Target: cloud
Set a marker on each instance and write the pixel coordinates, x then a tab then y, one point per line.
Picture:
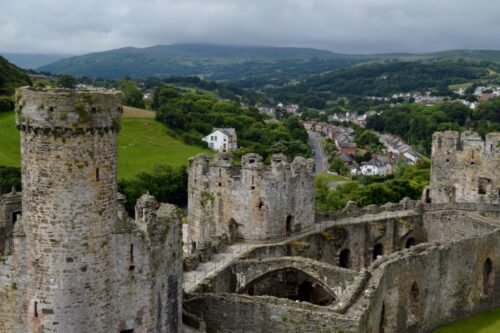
349	26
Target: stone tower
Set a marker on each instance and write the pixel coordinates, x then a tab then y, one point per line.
464	168
252	201
69	171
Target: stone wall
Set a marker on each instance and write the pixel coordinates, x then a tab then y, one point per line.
229	313
10	213
464	168
69	167
248	202
417	291
75	261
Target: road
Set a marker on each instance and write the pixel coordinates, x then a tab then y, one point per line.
316	143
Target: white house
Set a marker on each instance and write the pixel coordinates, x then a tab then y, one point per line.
222	139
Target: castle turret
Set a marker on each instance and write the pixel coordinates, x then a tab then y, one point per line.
464	168
69	171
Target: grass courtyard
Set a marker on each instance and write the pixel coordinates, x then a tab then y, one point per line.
487	322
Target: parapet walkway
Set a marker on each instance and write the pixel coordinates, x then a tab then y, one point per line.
220	261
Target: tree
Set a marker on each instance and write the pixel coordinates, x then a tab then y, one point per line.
66	81
6	104
132	94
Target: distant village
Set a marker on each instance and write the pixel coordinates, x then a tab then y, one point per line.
380	165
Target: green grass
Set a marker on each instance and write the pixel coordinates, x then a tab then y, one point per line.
331	178
487	322
10	151
460	86
143	143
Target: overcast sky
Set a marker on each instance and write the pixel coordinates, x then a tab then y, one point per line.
348	26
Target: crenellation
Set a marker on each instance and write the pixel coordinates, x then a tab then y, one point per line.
253	201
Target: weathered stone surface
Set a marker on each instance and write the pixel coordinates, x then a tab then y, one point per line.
75	261
248	202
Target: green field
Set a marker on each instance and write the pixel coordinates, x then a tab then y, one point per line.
332	178
142	144
487	322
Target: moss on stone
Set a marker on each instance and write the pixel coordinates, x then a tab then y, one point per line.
83	116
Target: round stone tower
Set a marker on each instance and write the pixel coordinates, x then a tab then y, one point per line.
69	171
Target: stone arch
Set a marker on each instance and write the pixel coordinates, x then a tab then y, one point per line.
378	250
291	283
488	279
345	258
414	308
410	242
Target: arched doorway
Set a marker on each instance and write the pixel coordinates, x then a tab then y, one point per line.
345	258
414	308
488	279
410	242
378	250
234	232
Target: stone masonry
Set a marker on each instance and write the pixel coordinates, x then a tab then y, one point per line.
405	267
74	261
248	202
464	168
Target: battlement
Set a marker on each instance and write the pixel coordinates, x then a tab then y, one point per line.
202	164
464	168
61	110
451	141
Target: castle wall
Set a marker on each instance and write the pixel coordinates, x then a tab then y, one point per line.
10	208
464	168
148	260
450	285
251	202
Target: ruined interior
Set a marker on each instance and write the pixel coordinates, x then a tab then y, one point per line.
406	267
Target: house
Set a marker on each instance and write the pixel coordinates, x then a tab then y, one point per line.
222	139
379	165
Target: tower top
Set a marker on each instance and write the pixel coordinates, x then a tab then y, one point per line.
68	109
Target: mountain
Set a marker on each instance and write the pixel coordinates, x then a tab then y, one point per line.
272	65
32	60
213	61
11	77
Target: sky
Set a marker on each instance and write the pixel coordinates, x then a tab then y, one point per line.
346	26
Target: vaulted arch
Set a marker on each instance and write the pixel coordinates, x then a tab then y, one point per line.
290	283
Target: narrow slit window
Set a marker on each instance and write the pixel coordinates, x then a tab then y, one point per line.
97	174
35	309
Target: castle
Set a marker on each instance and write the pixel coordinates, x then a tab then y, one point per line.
410	266
72	259
257	258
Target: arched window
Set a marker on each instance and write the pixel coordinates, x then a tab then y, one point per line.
378	250
488	278
345	258
413	314
381	328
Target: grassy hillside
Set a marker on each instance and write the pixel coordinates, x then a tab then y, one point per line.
10	153
11	77
210	61
385	79
142	144
32	61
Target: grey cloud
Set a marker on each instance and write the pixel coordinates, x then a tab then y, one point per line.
350	26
